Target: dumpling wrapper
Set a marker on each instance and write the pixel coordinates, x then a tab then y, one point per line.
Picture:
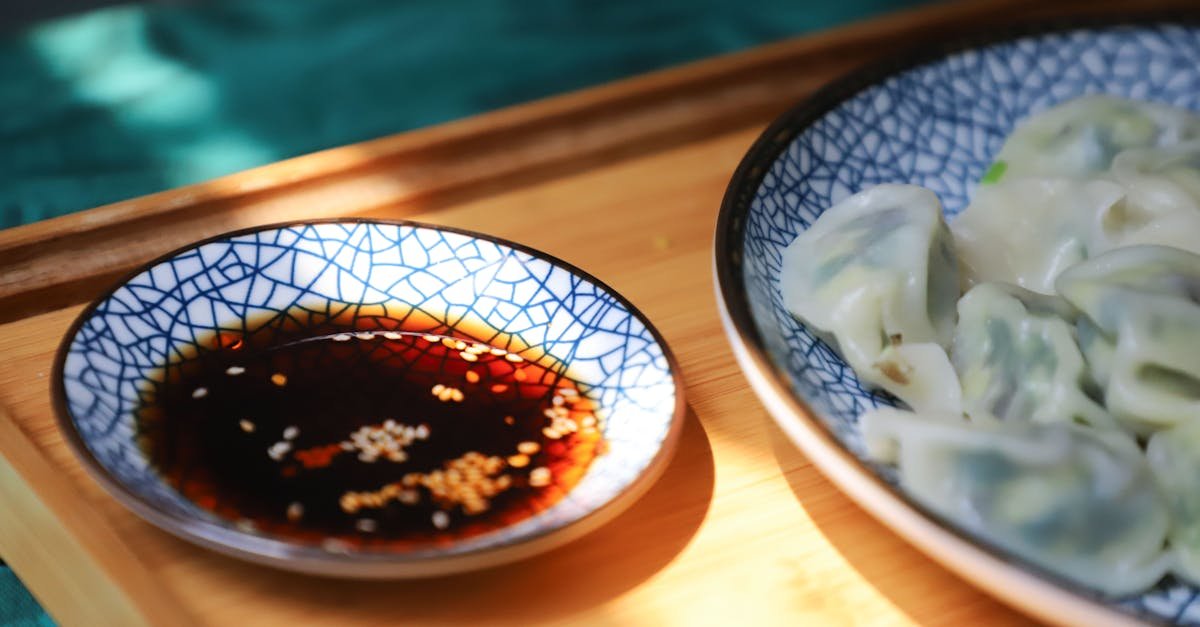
877	271
1076	501
1017	359
1174	457
1079	138
1162	205
1144	302
1027	231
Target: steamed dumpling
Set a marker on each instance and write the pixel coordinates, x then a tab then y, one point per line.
1162	206
1028	231
1097	351
1077	501
1017	359
1174	457
1079	138
1144	302
877	271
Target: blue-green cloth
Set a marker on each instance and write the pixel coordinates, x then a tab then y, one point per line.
17	607
134	99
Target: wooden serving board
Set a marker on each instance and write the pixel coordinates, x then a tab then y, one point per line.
623	181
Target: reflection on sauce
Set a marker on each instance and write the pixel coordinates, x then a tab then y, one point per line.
368	433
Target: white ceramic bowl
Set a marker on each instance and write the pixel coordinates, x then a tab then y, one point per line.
934	118
463	279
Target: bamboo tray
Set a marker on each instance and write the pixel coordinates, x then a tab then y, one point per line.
623	181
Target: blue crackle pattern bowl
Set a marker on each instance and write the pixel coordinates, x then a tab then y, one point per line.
936	118
461	279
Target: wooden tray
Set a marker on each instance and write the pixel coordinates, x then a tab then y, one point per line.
622	180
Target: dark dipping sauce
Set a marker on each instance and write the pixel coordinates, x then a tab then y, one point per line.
367	433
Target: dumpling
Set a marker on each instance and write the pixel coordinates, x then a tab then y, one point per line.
878	272
1162	180
1097	351
1077	501
1017	360
1027	231
1174	457
1079	138
1143	302
1162	189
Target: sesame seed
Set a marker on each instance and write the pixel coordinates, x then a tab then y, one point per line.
409	497
569	392
365	335
515	358
438	389
460	345
342	337
430	338
347	446
290	433
246	525
551	433
539	477
295	512
278	450
457	395
557	400
498	388
279	379
234	371
421	432
199	392
366	525
499	352
246	426
472	376
519	460
448	342
441	519
468	356
588	421
528	448
392	335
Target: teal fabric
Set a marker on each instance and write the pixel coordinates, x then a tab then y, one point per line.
17	607
135	99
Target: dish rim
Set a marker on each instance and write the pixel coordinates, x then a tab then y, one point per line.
286	555
999	572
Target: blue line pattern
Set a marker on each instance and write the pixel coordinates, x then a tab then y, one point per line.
939	125
524	302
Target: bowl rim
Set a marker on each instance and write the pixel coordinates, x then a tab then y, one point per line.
287	555
987	566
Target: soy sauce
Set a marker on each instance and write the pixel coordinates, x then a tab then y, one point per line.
368	431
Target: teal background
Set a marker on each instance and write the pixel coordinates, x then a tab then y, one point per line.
133	99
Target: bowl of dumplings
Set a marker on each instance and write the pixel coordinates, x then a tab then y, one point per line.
966	284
